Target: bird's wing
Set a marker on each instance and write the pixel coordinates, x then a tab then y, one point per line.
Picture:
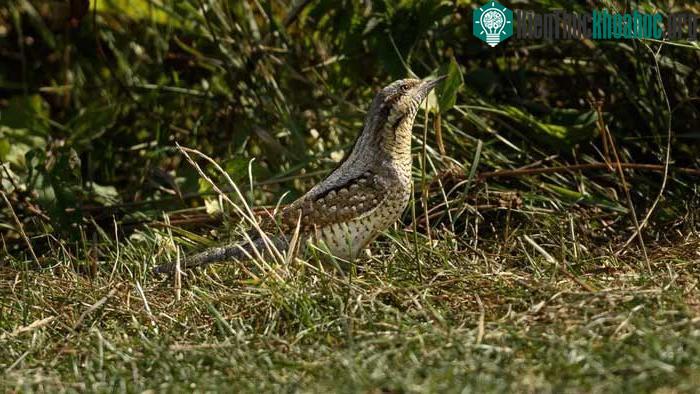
352	199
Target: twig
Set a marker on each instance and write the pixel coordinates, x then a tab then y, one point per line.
482	315
178	272
424	164
550	259
605	132
668	149
626	188
36	324
9	176
94	307
21	229
414	224
611	143
145	303
295	11
437	123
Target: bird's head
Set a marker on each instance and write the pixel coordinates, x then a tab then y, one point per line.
390	118
386	136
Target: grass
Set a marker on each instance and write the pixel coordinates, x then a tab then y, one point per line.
500	317
514	269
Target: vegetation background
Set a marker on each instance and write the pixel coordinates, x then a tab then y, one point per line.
515	268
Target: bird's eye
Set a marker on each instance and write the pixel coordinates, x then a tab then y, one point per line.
403	88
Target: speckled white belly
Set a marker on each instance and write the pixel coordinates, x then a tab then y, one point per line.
347	240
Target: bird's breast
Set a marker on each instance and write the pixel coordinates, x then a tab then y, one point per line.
347	239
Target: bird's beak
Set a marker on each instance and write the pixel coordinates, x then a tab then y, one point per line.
429	84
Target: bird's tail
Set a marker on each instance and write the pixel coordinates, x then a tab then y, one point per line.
237	252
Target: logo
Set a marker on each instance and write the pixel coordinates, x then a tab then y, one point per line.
492	23
603	25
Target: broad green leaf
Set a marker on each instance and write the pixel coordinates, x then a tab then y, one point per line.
447	90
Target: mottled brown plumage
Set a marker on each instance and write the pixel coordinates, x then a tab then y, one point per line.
357	197
361	198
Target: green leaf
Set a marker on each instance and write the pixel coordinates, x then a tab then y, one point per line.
576	197
136	9
448	89
4	148
26	112
105	195
15	143
57	183
562	126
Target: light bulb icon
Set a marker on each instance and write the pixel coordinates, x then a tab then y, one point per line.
493	21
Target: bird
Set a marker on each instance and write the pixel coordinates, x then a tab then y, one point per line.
362	197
